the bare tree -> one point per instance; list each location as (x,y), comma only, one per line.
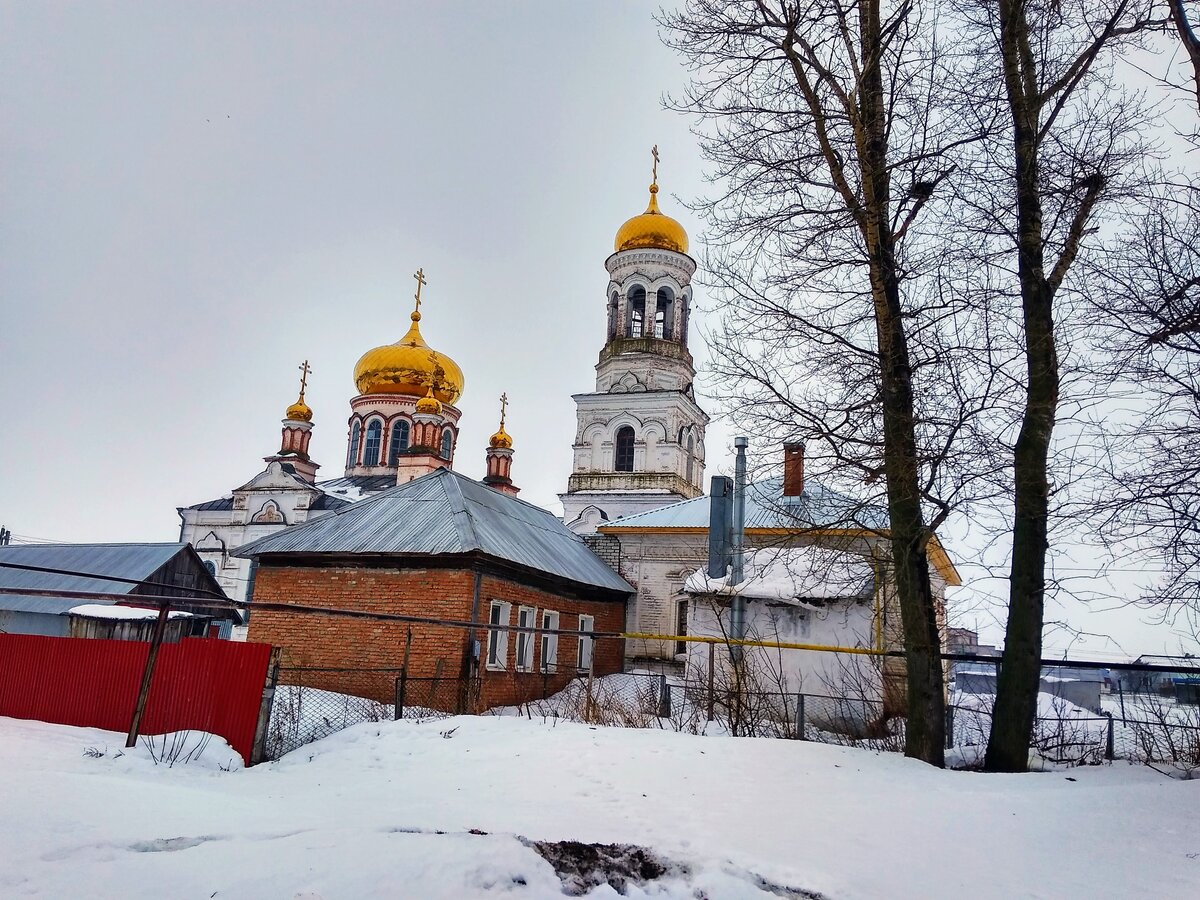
(832,139)
(1073,138)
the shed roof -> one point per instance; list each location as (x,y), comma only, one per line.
(447,513)
(133,561)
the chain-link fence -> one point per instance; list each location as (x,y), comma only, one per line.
(1082,718)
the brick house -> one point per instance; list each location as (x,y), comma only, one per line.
(445,547)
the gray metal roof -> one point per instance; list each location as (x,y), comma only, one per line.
(137,561)
(766,507)
(446,513)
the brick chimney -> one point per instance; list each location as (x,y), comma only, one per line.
(793,470)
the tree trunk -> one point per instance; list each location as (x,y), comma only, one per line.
(924,733)
(1020,673)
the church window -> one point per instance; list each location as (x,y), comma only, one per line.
(497,645)
(664,314)
(637,312)
(585,649)
(691,456)
(211,566)
(374,439)
(355,432)
(447,443)
(525,619)
(549,641)
(399,442)
(612,316)
(623,451)
(683,320)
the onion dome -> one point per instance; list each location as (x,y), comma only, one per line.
(501,440)
(299,411)
(429,404)
(651,230)
(409,366)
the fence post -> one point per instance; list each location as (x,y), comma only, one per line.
(160,628)
(1109,740)
(1121,697)
(264,709)
(799,716)
(949,726)
(712,694)
(401,688)
(664,698)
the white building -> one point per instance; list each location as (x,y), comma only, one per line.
(639,441)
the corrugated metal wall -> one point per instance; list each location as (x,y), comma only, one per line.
(202,685)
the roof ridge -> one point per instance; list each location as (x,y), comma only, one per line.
(464,524)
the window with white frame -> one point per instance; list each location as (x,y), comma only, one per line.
(526,616)
(497,649)
(549,641)
(587,624)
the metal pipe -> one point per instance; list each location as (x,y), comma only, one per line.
(737,623)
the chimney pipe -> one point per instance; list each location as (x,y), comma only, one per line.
(793,470)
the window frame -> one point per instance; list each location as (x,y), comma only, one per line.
(355,441)
(526,618)
(375,423)
(585,647)
(548,661)
(399,427)
(496,659)
(619,450)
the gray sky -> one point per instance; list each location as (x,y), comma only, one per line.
(198,196)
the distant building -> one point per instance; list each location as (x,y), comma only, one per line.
(145,569)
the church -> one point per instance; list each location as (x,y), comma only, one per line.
(634,502)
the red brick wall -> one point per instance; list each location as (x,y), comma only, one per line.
(330,642)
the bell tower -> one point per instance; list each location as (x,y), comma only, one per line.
(639,443)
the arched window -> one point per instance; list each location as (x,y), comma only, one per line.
(683,320)
(623,450)
(211,566)
(355,434)
(398,442)
(691,455)
(637,312)
(374,440)
(612,316)
(447,443)
(664,314)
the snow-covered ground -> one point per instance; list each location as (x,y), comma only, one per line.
(451,808)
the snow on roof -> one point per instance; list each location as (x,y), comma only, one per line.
(102,611)
(793,574)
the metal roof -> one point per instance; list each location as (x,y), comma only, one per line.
(447,513)
(766,507)
(136,561)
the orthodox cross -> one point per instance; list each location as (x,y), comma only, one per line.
(503,408)
(304,372)
(420,276)
(654,168)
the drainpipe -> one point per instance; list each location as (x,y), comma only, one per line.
(738,614)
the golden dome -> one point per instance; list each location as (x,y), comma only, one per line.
(651,230)
(299,411)
(501,440)
(429,404)
(409,367)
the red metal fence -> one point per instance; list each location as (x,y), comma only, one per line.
(199,684)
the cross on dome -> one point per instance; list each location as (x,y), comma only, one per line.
(420,276)
(654,168)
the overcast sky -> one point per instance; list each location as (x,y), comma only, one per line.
(198,196)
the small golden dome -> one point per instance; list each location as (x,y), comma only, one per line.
(409,367)
(299,411)
(429,404)
(501,440)
(651,230)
